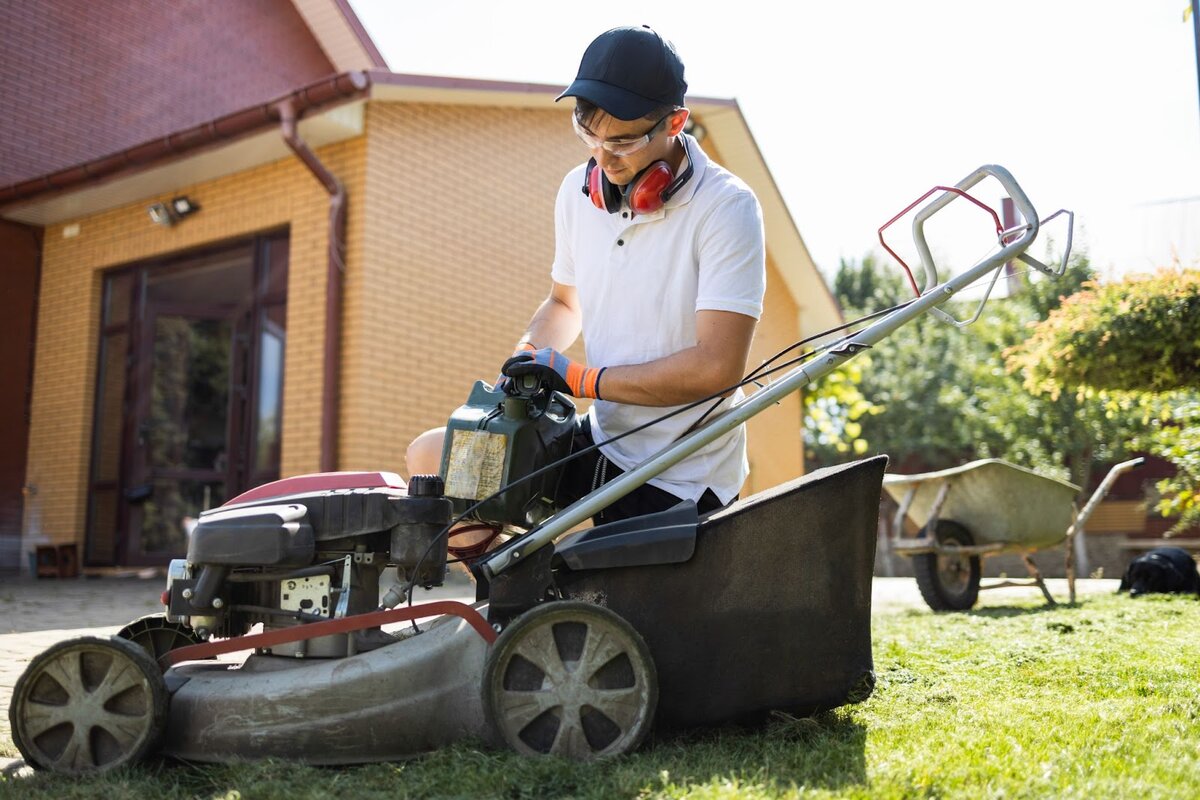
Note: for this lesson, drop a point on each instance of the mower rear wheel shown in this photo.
(948, 582)
(571, 679)
(88, 705)
(157, 636)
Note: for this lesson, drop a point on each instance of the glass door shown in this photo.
(200, 400)
(181, 456)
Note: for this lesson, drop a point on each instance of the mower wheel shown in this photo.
(571, 679)
(157, 636)
(88, 705)
(948, 582)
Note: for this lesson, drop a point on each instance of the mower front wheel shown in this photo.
(571, 679)
(88, 705)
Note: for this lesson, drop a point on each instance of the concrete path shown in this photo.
(35, 614)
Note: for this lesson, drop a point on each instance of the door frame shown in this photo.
(267, 250)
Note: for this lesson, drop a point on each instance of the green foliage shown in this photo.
(834, 409)
(868, 285)
(1139, 334)
(1173, 433)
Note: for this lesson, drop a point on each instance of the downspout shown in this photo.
(335, 269)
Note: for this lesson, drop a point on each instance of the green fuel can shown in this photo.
(495, 439)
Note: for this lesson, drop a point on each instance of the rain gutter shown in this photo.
(335, 269)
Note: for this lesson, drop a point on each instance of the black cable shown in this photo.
(754, 374)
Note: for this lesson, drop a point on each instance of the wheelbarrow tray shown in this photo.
(997, 502)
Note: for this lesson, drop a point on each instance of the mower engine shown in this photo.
(312, 548)
(307, 549)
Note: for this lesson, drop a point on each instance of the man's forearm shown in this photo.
(554, 324)
(679, 378)
(716, 362)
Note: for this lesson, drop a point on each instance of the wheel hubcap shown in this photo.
(954, 571)
(574, 688)
(86, 709)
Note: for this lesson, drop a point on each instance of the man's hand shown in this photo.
(560, 372)
(502, 380)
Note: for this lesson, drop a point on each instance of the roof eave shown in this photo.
(319, 95)
(340, 34)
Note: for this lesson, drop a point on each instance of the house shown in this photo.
(235, 246)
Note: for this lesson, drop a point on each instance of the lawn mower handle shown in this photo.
(1009, 251)
(518, 549)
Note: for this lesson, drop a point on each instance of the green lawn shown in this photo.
(1099, 700)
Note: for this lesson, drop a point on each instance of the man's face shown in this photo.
(621, 169)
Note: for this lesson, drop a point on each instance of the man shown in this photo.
(659, 261)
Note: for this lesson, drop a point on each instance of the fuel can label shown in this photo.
(476, 466)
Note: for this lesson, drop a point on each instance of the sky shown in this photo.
(859, 107)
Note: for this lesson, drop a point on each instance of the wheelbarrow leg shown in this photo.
(1071, 564)
(1036, 574)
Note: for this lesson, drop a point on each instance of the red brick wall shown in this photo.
(80, 80)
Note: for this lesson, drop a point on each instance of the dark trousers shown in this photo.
(590, 471)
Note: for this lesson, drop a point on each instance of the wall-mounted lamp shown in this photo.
(167, 214)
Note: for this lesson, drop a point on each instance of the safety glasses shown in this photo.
(618, 147)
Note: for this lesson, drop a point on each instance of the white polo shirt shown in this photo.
(641, 279)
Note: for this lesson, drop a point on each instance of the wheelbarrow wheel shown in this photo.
(948, 582)
(571, 679)
(157, 636)
(88, 705)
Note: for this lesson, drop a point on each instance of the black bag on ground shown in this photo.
(1163, 569)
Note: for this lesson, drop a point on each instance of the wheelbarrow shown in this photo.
(986, 508)
(578, 642)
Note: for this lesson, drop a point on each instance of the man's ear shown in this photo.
(678, 121)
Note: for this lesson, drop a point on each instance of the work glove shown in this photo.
(502, 380)
(556, 370)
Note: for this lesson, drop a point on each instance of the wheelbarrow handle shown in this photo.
(1103, 489)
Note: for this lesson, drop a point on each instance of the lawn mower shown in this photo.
(579, 642)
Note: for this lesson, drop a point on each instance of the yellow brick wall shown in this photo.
(1118, 516)
(456, 256)
(280, 194)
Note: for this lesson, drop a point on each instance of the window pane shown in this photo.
(270, 397)
(189, 401)
(171, 511)
(227, 279)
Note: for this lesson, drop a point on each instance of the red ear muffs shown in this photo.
(604, 195)
(645, 194)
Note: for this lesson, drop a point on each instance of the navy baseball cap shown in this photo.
(629, 72)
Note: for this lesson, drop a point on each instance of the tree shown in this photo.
(1140, 335)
